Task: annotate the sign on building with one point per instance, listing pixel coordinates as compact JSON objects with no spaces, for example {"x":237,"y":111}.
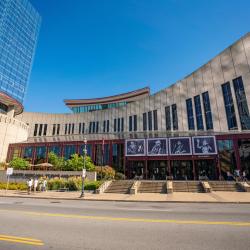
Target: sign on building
{"x":180,"y":146}
{"x":135,"y":147}
{"x":204,"y":145}
{"x":157,"y":146}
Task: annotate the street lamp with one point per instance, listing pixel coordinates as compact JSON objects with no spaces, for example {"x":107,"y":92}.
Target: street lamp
{"x":84,"y":169}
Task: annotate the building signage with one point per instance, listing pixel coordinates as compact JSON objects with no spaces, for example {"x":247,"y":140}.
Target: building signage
{"x":204,"y":145}
{"x":135,"y":147}
{"x":157,"y":146}
{"x":180,"y":146}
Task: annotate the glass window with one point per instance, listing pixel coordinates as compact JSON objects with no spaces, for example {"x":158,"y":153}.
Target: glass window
{"x":55,"y":149}
{"x":66,"y":129}
{"x":97,"y":127}
{"x":68,"y":151}
{"x":45,"y":129}
{"x":104,"y":127}
{"x":90,"y":127}
{"x":40,"y":129}
{"x":227,"y":157}
{"x":73,"y":128}
{"x":28,"y":152}
{"x":168,"y":118}
{"x":115,"y":125}
{"x":40,"y":154}
{"x":242,"y":103}
{"x":229,"y":106}
{"x":58,"y":129}
{"x":135,"y":122}
{"x":150,"y":120}
{"x":130,"y":123}
{"x":35,"y":130}
{"x":198,"y":113}
{"x":190,"y":114}
{"x":80,"y":128}
{"x":108,"y":126}
{"x":244,"y":150}
{"x":155,"y":120}
{"x":207,"y":110}
{"x":175,"y":117}
{"x":119,"y":124}
{"x":122,"y":125}
{"x":144,"y":120}
{"x":54,"y":129}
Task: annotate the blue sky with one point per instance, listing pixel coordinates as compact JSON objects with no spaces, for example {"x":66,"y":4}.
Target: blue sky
{"x":98,"y":48}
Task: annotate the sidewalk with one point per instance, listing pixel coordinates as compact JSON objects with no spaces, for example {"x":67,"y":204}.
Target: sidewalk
{"x":214,"y":197}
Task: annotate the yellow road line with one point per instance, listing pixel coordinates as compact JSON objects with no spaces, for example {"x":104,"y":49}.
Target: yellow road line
{"x":27,"y":241}
{"x":19,"y":238}
{"x":197,"y":222}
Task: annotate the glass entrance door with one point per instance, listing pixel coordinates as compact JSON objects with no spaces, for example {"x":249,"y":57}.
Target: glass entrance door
{"x":157,"y":170}
{"x":205,"y":169}
{"x":136,"y":170}
{"x":182,"y":170}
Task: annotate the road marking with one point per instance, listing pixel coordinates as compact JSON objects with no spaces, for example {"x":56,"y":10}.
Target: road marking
{"x":197,"y":222}
{"x":22,"y":240}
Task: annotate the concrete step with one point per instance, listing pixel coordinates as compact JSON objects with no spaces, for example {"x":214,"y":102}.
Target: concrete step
{"x":152,"y":187}
{"x":121,"y":187}
{"x":225,"y":186}
{"x":187,"y":186}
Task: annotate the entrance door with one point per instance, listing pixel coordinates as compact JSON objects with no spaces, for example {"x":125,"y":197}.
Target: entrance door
{"x":182,"y":170}
{"x":157,"y":170}
{"x":205,"y":169}
{"x":136,"y":170}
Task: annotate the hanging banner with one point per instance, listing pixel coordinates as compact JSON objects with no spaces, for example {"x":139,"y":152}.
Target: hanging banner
{"x":204,"y":145}
{"x":157,"y":146}
{"x":180,"y":146}
{"x":135,"y":147}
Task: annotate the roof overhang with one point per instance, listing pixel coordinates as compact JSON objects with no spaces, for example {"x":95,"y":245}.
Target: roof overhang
{"x":10,"y":101}
{"x":129,"y":97}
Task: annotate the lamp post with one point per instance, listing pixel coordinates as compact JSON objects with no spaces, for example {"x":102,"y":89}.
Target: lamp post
{"x":84,"y":169}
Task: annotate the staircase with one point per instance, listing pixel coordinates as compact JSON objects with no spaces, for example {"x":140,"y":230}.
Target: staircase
{"x":187,"y":186}
{"x":120,"y":187}
{"x":152,"y":187}
{"x":226,"y":186}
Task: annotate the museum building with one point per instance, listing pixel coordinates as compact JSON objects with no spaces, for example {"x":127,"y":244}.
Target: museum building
{"x":197,"y":127}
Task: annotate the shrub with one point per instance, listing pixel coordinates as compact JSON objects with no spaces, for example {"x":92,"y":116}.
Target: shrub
{"x":14,"y":186}
{"x":56,"y":183}
{"x":119,"y":176}
{"x":107,"y":172}
{"x":19,"y":163}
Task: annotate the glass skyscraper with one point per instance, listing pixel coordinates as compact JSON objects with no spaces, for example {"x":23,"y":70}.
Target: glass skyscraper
{"x":19,"y":29}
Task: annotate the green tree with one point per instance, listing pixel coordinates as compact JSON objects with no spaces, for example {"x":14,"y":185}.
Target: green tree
{"x":19,"y":163}
{"x":76,"y":163}
{"x":56,"y":161}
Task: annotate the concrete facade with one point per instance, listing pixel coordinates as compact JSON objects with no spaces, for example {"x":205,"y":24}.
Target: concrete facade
{"x":11,"y":131}
{"x":233,"y":62}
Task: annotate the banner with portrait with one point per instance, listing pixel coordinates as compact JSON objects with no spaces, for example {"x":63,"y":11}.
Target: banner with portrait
{"x":135,"y":147}
{"x":157,"y":146}
{"x":204,"y":145}
{"x":180,"y":146}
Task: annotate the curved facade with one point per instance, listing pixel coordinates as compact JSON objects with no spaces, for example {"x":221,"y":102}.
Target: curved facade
{"x":213,"y":102}
{"x":193,"y":104}
{"x":11,"y":131}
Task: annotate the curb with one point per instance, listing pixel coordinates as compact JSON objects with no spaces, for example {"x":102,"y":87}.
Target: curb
{"x":115,"y":200}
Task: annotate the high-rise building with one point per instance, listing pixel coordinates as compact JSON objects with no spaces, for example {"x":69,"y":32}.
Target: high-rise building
{"x":19,"y":29}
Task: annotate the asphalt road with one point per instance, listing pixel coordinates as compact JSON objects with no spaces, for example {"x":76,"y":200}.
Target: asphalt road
{"x":46,"y":224}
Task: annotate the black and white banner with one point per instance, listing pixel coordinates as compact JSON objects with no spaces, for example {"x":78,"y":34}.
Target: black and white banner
{"x":135,"y":147}
{"x":180,"y":146}
{"x":157,"y":146}
{"x":204,"y":145}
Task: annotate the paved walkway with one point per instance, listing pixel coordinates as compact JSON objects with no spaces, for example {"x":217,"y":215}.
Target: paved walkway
{"x":236,"y":197}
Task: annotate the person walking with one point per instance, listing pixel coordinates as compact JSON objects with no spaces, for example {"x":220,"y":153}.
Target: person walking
{"x":35,"y":184}
{"x":29,"y":182}
{"x":44,"y":185}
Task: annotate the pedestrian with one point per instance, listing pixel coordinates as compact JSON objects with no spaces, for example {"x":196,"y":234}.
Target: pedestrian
{"x":35,"y":184}
{"x":244,"y":175}
{"x":44,"y":185}
{"x":29,"y":182}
